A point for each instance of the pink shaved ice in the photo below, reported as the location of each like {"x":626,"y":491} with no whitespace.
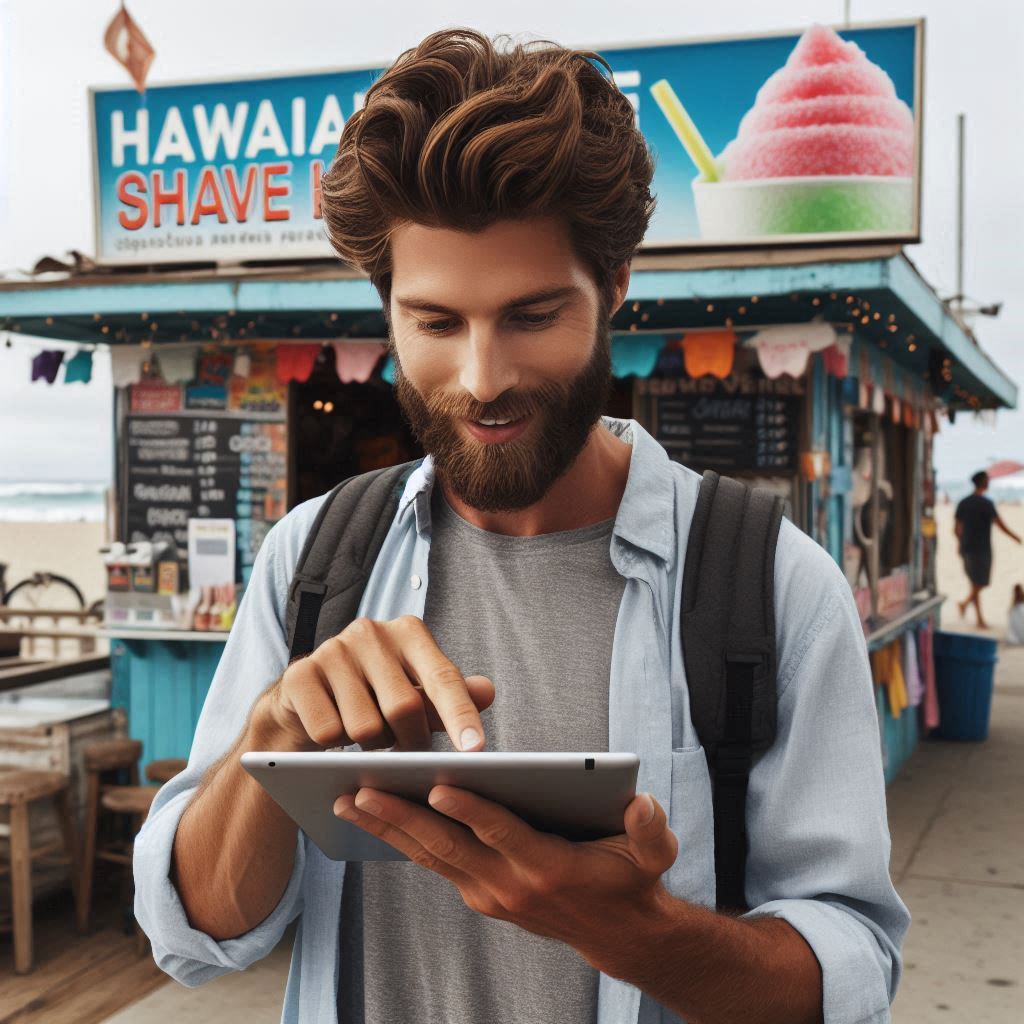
{"x":829,"y":110}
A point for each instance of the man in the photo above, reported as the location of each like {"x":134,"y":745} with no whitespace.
{"x":496,"y":200}
{"x":974,"y":518}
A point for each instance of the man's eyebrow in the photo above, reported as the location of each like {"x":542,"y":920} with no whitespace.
{"x":530,"y":299}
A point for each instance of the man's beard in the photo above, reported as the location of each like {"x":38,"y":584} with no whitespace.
{"x":514,"y":475}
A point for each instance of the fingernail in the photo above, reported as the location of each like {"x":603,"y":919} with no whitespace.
{"x":469,"y":738}
{"x":443,"y":803}
{"x":649,"y":813}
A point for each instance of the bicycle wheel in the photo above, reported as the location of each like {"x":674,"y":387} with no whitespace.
{"x":45,"y":590}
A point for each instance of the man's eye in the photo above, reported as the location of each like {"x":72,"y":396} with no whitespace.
{"x":435,"y":326}
{"x":538,"y":319}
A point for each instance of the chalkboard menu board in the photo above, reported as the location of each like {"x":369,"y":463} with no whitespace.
{"x":738,"y":425}
{"x":177,"y":467}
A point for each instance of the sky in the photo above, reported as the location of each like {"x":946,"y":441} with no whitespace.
{"x":50,"y":53}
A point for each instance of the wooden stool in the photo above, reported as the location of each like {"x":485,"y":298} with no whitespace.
{"x":164,"y":769}
{"x":136,"y":801}
{"x":98,"y":759}
{"x":18,"y":790}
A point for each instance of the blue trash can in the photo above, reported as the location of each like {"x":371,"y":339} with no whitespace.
{"x":964,"y":676}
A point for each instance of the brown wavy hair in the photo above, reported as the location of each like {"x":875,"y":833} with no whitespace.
{"x":458,"y":133}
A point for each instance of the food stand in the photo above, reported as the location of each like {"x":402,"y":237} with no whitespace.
{"x":809,"y":357}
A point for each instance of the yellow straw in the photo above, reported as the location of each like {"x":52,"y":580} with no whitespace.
{"x":693,"y":142}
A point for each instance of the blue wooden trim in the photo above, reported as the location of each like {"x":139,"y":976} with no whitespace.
{"x":925,"y":305}
{"x":743,"y":282}
{"x":345,"y":294}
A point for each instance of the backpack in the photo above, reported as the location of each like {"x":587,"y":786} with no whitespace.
{"x":726,"y":617}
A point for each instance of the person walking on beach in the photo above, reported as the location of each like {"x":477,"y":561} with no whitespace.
{"x":495,"y":197}
{"x":975,"y":516}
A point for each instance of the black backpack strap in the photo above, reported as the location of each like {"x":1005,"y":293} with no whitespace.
{"x":340,"y":552}
{"x":727,"y":620}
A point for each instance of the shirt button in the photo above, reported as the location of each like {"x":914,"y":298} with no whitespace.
{"x":415,"y":582}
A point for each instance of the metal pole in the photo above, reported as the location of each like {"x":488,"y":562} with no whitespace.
{"x":846,"y":13}
{"x":961,"y":118}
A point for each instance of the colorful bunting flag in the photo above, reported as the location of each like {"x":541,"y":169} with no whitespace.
{"x":126,"y":43}
{"x":785,"y":348}
{"x":296,"y":362}
{"x":709,"y":353}
{"x":46,"y":364}
{"x":355,"y":360}
{"x":78,"y":367}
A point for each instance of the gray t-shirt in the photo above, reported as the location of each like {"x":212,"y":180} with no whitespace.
{"x":537,"y":616}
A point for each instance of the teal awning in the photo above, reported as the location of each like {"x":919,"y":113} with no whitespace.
{"x":879,"y":295}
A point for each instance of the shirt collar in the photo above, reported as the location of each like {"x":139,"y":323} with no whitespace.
{"x":645,"y":517}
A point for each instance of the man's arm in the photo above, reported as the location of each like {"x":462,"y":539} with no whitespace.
{"x":256,"y":652}
{"x":1002,"y":526}
{"x":713,"y":969}
{"x":958,"y":528}
{"x":234,"y":848}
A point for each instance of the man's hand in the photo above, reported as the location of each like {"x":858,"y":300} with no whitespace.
{"x":378,"y":684}
{"x":587,"y":895}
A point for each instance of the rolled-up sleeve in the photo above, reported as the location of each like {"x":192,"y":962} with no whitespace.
{"x":254,"y":656}
{"x":816,"y":814}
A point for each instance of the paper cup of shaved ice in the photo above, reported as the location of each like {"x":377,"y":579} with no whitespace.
{"x":827,"y":147}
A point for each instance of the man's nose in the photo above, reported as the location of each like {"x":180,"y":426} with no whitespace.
{"x":487,"y":370}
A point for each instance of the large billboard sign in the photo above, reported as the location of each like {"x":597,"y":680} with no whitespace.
{"x":795,"y":137}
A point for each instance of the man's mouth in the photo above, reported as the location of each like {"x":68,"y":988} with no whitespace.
{"x":494,"y":431}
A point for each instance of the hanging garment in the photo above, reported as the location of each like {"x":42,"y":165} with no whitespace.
{"x":296,"y":362}
{"x":178,"y":365}
{"x":387,"y":372}
{"x":888,"y":672}
{"x":636,"y":355}
{"x":709,"y":353}
{"x":78,"y":367}
{"x":125,"y":364}
{"x":927,"y":660}
{"x":46,"y":364}
{"x":355,"y":360}
{"x":911,"y":671}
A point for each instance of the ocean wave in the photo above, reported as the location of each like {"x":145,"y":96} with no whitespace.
{"x":53,"y":502}
{"x":50,"y":489}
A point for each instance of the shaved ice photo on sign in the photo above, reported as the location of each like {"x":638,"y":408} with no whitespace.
{"x":827,"y":147}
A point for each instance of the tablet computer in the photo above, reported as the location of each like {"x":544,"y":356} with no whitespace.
{"x":579,"y":796}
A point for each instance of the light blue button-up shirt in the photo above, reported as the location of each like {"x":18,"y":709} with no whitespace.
{"x":819,"y":840}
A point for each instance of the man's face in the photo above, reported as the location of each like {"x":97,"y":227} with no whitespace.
{"x":503,"y":324}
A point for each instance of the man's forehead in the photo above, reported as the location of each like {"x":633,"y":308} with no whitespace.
{"x":503,"y":262}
